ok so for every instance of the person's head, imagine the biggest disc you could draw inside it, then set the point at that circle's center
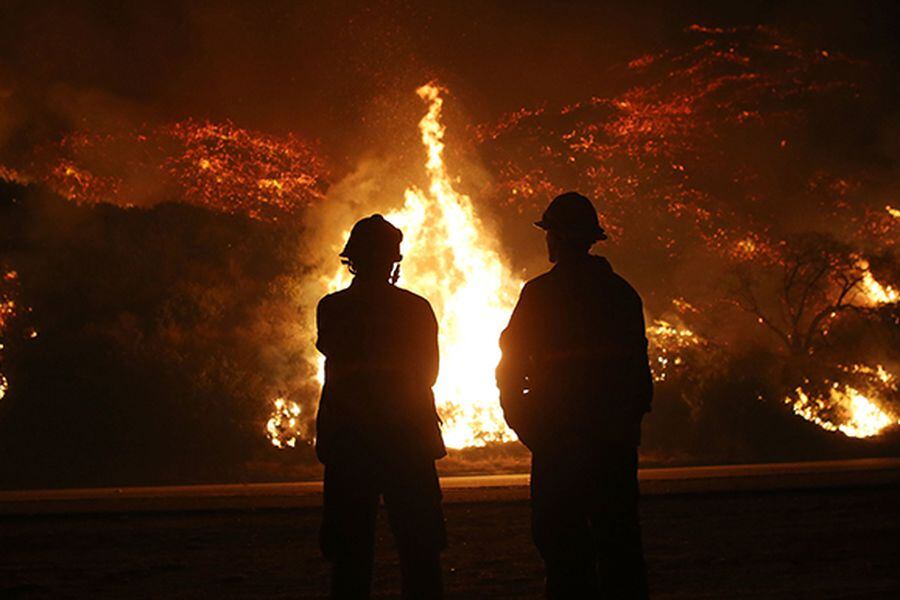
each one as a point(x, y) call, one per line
point(572, 226)
point(373, 248)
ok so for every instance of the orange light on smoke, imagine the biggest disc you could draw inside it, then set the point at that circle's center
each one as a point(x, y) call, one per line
point(452, 260)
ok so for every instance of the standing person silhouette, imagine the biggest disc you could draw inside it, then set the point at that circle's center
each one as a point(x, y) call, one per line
point(378, 433)
point(574, 384)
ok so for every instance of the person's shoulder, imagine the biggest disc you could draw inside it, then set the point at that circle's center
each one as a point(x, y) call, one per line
point(623, 288)
point(412, 299)
point(333, 299)
point(538, 283)
point(537, 288)
point(610, 283)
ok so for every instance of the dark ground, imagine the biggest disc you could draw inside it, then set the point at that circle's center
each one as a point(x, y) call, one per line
point(840, 543)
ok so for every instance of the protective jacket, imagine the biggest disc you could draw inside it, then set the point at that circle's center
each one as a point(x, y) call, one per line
point(381, 361)
point(574, 368)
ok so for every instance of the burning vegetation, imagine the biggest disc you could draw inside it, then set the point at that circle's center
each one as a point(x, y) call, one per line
point(217, 166)
point(766, 258)
point(451, 259)
point(284, 426)
point(686, 159)
point(837, 406)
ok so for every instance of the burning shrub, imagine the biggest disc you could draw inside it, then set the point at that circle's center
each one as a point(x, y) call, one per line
point(161, 335)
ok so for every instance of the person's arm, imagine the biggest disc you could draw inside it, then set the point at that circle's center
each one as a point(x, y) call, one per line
point(513, 370)
point(431, 351)
point(638, 357)
point(422, 357)
point(323, 331)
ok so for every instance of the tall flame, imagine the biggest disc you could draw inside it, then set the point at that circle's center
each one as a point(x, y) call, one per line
point(451, 260)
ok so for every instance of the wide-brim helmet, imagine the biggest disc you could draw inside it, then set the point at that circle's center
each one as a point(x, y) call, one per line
point(373, 238)
point(572, 216)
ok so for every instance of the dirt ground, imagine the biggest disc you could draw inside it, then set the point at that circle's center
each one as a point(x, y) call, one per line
point(842, 543)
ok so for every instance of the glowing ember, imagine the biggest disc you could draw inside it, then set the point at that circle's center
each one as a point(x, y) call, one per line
point(746, 247)
point(846, 409)
point(647, 148)
point(219, 166)
point(666, 345)
point(235, 170)
point(875, 293)
point(283, 427)
point(12, 175)
point(878, 372)
point(453, 262)
point(8, 310)
point(79, 184)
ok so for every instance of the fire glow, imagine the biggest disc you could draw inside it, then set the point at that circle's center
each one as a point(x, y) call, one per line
point(218, 166)
point(451, 260)
point(874, 292)
point(8, 311)
point(646, 154)
point(667, 343)
point(283, 426)
point(845, 408)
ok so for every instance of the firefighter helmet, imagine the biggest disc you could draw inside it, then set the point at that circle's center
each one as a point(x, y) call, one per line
point(373, 237)
point(573, 216)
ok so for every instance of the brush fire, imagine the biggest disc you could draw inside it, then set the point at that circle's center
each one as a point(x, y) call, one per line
point(704, 163)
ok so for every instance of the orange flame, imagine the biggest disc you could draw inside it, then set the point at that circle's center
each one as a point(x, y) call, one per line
point(667, 342)
point(450, 259)
point(227, 168)
point(846, 409)
point(283, 426)
point(874, 292)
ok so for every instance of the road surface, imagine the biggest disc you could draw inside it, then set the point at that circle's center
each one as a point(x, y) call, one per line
point(678, 480)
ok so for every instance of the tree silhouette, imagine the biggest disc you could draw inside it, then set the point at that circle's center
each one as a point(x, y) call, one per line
point(797, 294)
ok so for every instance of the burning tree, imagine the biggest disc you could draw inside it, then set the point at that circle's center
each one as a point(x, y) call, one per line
point(811, 282)
point(799, 297)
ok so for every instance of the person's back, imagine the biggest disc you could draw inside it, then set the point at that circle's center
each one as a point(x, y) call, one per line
point(574, 384)
point(583, 332)
point(380, 344)
point(377, 431)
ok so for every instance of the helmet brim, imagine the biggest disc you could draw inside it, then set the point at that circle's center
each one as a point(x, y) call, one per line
point(599, 233)
point(348, 254)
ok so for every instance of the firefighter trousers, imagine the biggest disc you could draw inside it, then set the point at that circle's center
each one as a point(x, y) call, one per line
point(585, 522)
point(412, 499)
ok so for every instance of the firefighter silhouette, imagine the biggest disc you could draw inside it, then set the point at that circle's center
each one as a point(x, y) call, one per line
point(574, 384)
point(378, 433)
